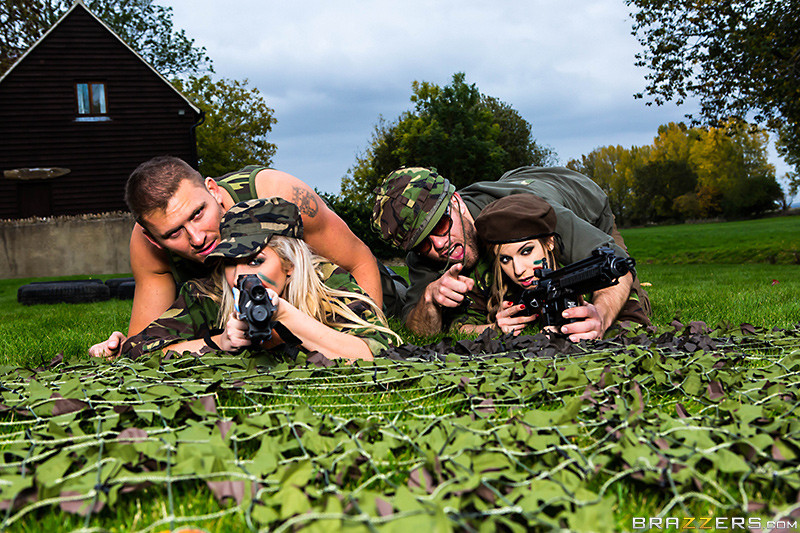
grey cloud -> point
(330, 69)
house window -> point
(91, 99)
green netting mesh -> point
(510, 433)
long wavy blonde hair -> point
(304, 289)
(500, 284)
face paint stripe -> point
(265, 279)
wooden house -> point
(78, 112)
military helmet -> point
(409, 204)
(248, 226)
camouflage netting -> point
(509, 433)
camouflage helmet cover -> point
(408, 205)
(248, 226)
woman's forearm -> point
(316, 336)
(474, 328)
(194, 346)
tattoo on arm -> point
(305, 201)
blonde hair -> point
(499, 288)
(306, 291)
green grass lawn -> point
(735, 272)
(766, 240)
(30, 335)
(761, 294)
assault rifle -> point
(255, 308)
(561, 289)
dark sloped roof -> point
(80, 5)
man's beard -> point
(470, 246)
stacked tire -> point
(75, 291)
(121, 288)
(72, 291)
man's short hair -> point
(153, 183)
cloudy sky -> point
(331, 68)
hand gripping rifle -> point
(255, 308)
(561, 289)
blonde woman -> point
(317, 302)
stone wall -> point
(62, 246)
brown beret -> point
(519, 217)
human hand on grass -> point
(508, 321)
(589, 323)
(109, 348)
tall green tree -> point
(144, 25)
(464, 134)
(237, 122)
(673, 142)
(739, 57)
(686, 173)
(735, 177)
(791, 179)
(614, 168)
(658, 185)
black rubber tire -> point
(125, 290)
(72, 291)
(68, 281)
(115, 283)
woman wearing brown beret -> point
(519, 234)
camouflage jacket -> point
(193, 315)
(584, 217)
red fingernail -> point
(522, 306)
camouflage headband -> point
(408, 205)
(248, 226)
